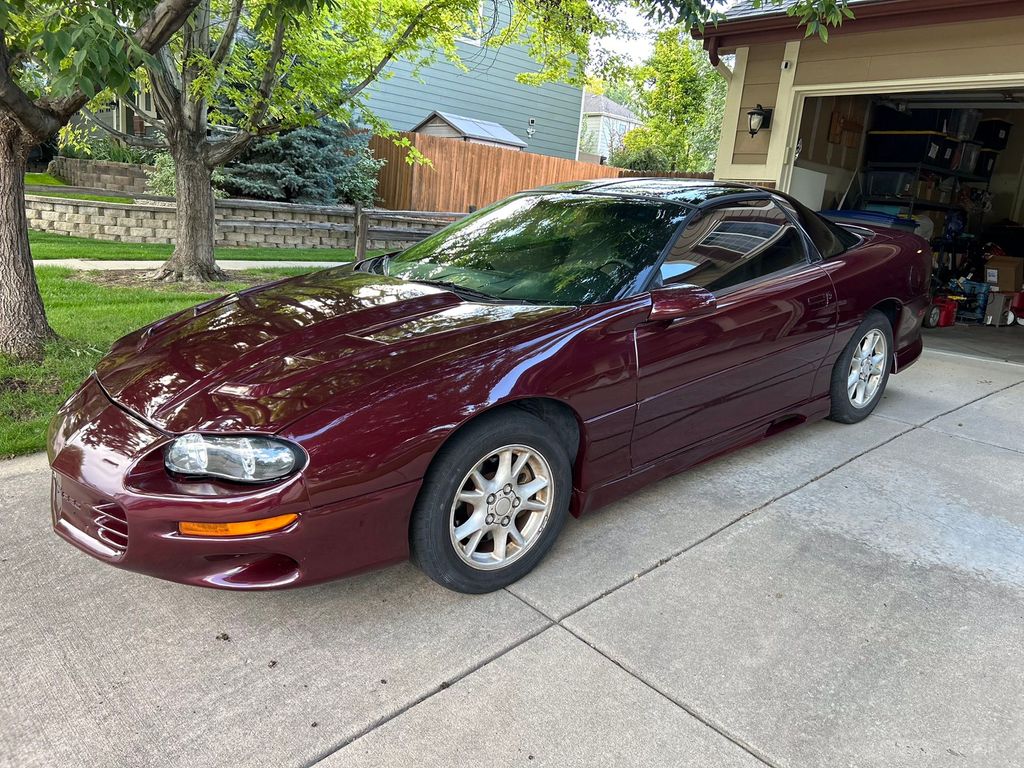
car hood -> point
(259, 359)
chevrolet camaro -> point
(457, 401)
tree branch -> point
(38, 122)
(166, 19)
(224, 151)
(351, 93)
(228, 38)
(270, 71)
(162, 23)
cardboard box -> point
(1005, 272)
(997, 311)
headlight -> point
(245, 459)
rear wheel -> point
(862, 370)
(932, 316)
(492, 504)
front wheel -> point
(862, 370)
(493, 503)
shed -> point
(469, 129)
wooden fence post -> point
(362, 231)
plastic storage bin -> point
(966, 159)
(927, 147)
(986, 163)
(890, 183)
(963, 123)
(993, 133)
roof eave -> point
(870, 17)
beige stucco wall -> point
(943, 51)
(760, 86)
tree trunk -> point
(193, 250)
(23, 325)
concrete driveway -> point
(835, 596)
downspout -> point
(711, 45)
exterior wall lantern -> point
(760, 119)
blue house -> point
(545, 118)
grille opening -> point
(111, 526)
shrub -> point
(105, 148)
(322, 164)
(643, 158)
(161, 181)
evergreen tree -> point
(324, 164)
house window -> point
(476, 35)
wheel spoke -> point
(517, 537)
(475, 523)
(532, 505)
(473, 543)
(472, 498)
(500, 541)
(504, 473)
(851, 382)
(481, 482)
(861, 391)
(534, 486)
(517, 468)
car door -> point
(753, 357)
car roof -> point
(690, 192)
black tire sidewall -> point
(842, 410)
(430, 537)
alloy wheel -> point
(501, 507)
(867, 368)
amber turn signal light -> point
(245, 528)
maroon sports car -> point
(458, 400)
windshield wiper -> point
(456, 288)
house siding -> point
(487, 91)
(760, 86)
(943, 50)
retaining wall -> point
(100, 174)
(239, 223)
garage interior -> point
(948, 165)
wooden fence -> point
(464, 175)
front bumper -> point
(111, 498)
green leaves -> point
(815, 15)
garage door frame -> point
(801, 93)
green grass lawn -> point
(44, 180)
(89, 317)
(47, 245)
(85, 196)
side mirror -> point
(678, 301)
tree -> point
(269, 66)
(680, 97)
(242, 70)
(54, 57)
(324, 164)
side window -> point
(733, 244)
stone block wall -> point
(100, 174)
(240, 223)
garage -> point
(911, 116)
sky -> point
(639, 48)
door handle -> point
(821, 300)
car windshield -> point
(555, 248)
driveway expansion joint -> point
(430, 694)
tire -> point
(455, 505)
(853, 399)
(932, 316)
